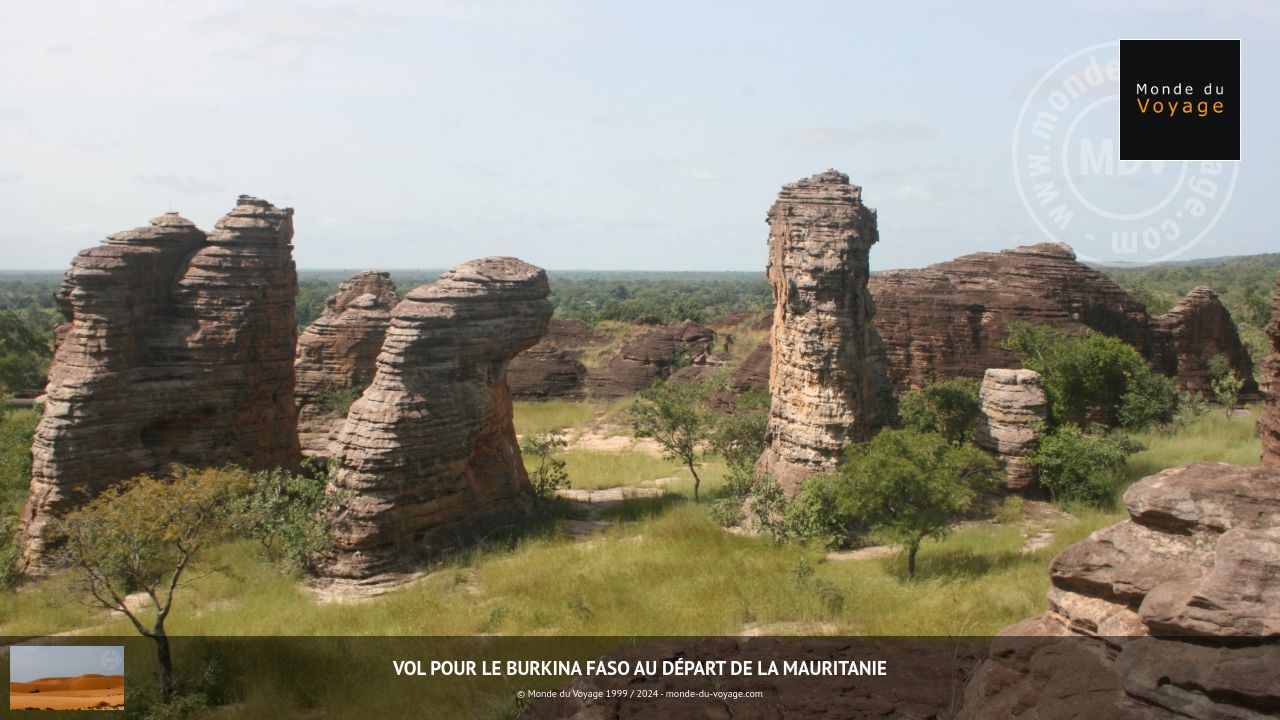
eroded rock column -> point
(1013, 411)
(177, 347)
(428, 455)
(337, 354)
(827, 376)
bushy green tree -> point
(1093, 377)
(947, 407)
(24, 354)
(1078, 466)
(1224, 382)
(739, 438)
(675, 415)
(287, 512)
(548, 471)
(908, 485)
(142, 535)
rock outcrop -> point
(1269, 422)
(177, 348)
(951, 319)
(650, 357)
(1193, 332)
(827, 379)
(336, 354)
(1174, 613)
(1013, 411)
(553, 368)
(427, 457)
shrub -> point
(287, 512)
(908, 485)
(814, 514)
(1079, 466)
(739, 438)
(10, 553)
(1093, 377)
(1224, 382)
(337, 403)
(726, 512)
(548, 472)
(947, 407)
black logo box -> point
(1187, 68)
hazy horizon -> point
(570, 134)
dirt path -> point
(595, 502)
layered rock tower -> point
(427, 457)
(1193, 332)
(177, 347)
(1269, 422)
(1014, 409)
(827, 375)
(336, 354)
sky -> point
(575, 135)
(33, 662)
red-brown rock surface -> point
(428, 457)
(950, 319)
(1143, 610)
(1190, 334)
(652, 356)
(177, 348)
(1269, 423)
(553, 368)
(336, 353)
(1014, 408)
(827, 381)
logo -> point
(112, 659)
(1078, 190)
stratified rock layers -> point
(336, 354)
(827, 377)
(1174, 613)
(1269, 422)
(177, 348)
(653, 356)
(427, 457)
(1192, 333)
(1013, 410)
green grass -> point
(536, 417)
(1210, 437)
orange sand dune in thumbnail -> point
(85, 692)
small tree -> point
(1079, 466)
(909, 485)
(1224, 382)
(288, 513)
(947, 407)
(142, 536)
(675, 416)
(739, 438)
(548, 472)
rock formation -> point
(177, 348)
(950, 319)
(650, 357)
(336, 354)
(1269, 423)
(1013, 409)
(427, 457)
(1190, 334)
(553, 368)
(827, 379)
(1174, 613)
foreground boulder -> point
(336, 354)
(827, 379)
(177, 347)
(1013, 410)
(427, 458)
(1269, 422)
(1174, 613)
(650, 357)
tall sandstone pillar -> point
(427, 458)
(177, 347)
(827, 378)
(1269, 423)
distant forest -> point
(28, 315)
